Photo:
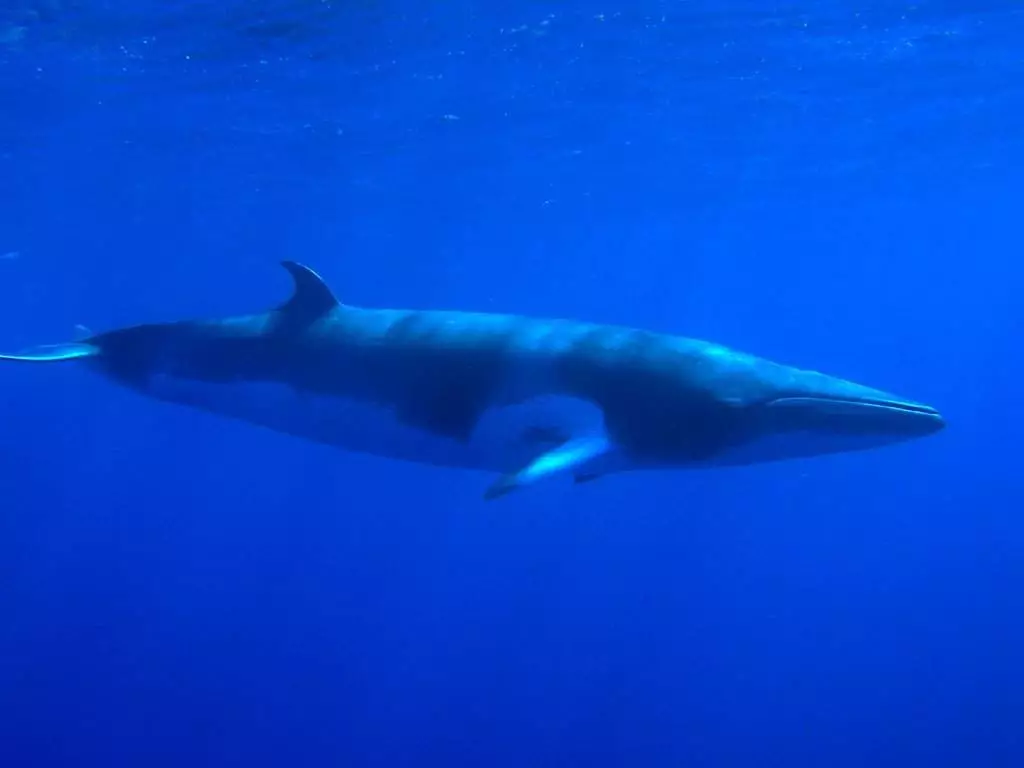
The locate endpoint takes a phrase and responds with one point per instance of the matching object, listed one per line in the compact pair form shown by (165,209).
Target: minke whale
(522,398)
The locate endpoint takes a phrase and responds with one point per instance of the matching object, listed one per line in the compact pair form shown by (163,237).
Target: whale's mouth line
(899,406)
(871,413)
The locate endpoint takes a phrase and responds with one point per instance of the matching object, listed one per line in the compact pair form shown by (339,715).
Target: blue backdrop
(831,184)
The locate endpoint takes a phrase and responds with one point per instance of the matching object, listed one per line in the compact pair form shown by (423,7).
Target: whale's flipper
(576,456)
(53,353)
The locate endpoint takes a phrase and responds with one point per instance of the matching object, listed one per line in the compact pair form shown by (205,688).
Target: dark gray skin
(667,401)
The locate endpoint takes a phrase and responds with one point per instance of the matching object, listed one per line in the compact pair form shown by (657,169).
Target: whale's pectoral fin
(575,456)
(53,353)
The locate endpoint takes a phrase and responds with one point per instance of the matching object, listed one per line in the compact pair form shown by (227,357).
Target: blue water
(830,184)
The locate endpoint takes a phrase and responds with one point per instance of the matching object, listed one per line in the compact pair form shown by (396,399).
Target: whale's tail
(53,353)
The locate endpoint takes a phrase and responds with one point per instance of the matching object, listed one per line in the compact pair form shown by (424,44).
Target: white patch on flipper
(583,454)
(501,441)
(574,417)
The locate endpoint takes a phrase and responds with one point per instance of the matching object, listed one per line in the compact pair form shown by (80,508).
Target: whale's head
(805,413)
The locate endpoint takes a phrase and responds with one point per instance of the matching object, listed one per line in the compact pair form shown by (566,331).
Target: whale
(523,399)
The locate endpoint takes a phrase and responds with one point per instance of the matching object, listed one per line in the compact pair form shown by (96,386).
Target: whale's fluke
(53,353)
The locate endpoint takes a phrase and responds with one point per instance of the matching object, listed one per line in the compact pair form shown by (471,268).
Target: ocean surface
(832,184)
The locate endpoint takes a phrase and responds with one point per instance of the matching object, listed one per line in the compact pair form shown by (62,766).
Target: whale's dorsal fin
(311,294)
(311,299)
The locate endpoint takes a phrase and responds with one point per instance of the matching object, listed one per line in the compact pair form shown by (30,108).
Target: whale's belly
(504,437)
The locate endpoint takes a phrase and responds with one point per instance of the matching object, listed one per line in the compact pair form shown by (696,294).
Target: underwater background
(832,184)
